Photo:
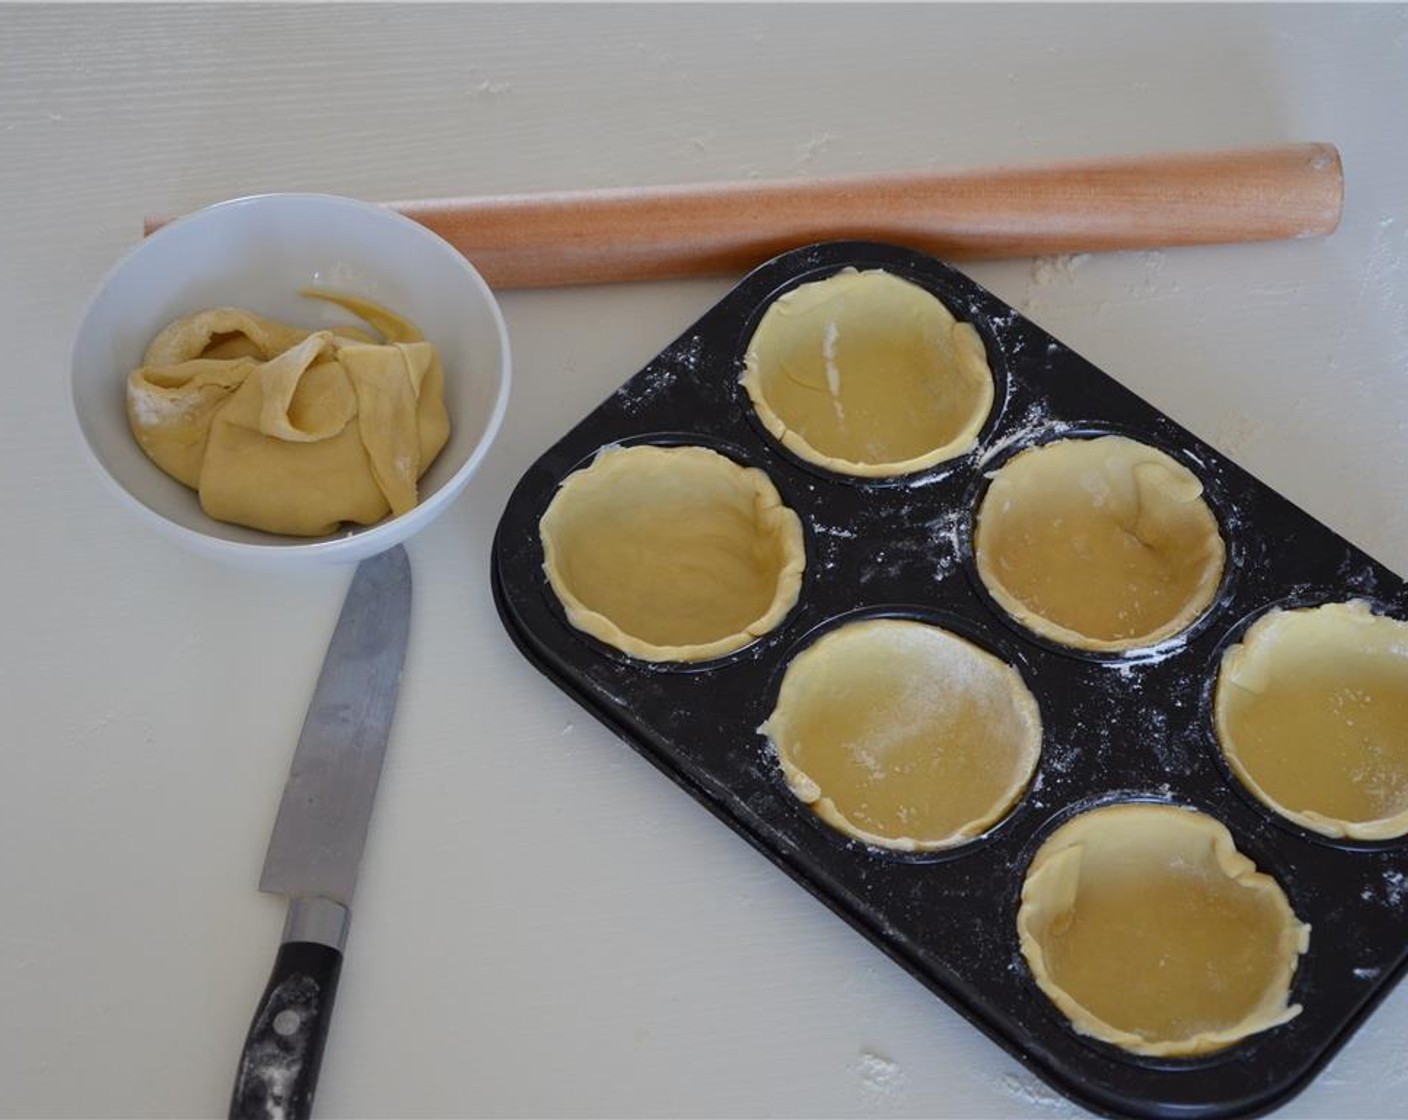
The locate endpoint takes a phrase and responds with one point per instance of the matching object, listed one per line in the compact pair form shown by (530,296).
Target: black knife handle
(278,1069)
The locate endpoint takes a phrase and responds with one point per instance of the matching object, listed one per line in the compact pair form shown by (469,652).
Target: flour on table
(879,1074)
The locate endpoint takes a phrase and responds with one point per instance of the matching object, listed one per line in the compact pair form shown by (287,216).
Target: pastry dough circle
(1149,930)
(903,735)
(672,553)
(866,374)
(1103,544)
(1311,711)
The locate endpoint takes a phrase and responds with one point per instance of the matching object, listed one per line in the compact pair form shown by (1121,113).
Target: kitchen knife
(317,842)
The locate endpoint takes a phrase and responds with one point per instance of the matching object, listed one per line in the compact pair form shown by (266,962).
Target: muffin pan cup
(1115,726)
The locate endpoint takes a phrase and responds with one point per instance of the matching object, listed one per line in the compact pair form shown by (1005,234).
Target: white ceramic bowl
(257,253)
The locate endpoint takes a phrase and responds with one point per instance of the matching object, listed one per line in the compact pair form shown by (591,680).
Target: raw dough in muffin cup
(1311,713)
(1149,930)
(904,735)
(672,553)
(1102,544)
(868,374)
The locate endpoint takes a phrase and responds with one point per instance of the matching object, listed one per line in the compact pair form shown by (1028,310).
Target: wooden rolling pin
(648,233)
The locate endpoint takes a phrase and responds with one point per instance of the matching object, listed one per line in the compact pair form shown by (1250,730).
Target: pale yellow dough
(1149,930)
(1100,544)
(904,735)
(868,374)
(291,431)
(1312,714)
(672,553)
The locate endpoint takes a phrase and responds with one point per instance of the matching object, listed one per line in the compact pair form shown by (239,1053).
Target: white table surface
(546,925)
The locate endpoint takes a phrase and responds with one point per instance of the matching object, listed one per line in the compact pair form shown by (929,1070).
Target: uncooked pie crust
(1149,930)
(672,553)
(903,735)
(1102,544)
(1312,714)
(866,374)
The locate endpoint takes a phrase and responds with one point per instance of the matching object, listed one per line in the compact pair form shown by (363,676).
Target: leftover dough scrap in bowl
(288,430)
(1149,930)
(672,553)
(866,374)
(256,253)
(1311,710)
(1102,544)
(903,735)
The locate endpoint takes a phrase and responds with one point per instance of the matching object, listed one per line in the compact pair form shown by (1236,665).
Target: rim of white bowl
(352,541)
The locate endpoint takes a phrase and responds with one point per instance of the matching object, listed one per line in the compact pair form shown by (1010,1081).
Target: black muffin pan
(1115,727)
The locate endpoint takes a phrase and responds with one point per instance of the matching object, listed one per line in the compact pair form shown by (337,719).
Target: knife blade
(316,846)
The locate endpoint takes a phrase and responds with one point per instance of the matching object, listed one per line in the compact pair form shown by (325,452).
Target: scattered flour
(154,406)
(1395,887)
(946,540)
(1027,1090)
(480,86)
(1045,270)
(818,146)
(833,371)
(661,374)
(1022,430)
(879,1074)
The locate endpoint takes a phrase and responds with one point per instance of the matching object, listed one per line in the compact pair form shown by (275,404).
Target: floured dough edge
(1385,828)
(773,518)
(969,345)
(1274,1008)
(806,789)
